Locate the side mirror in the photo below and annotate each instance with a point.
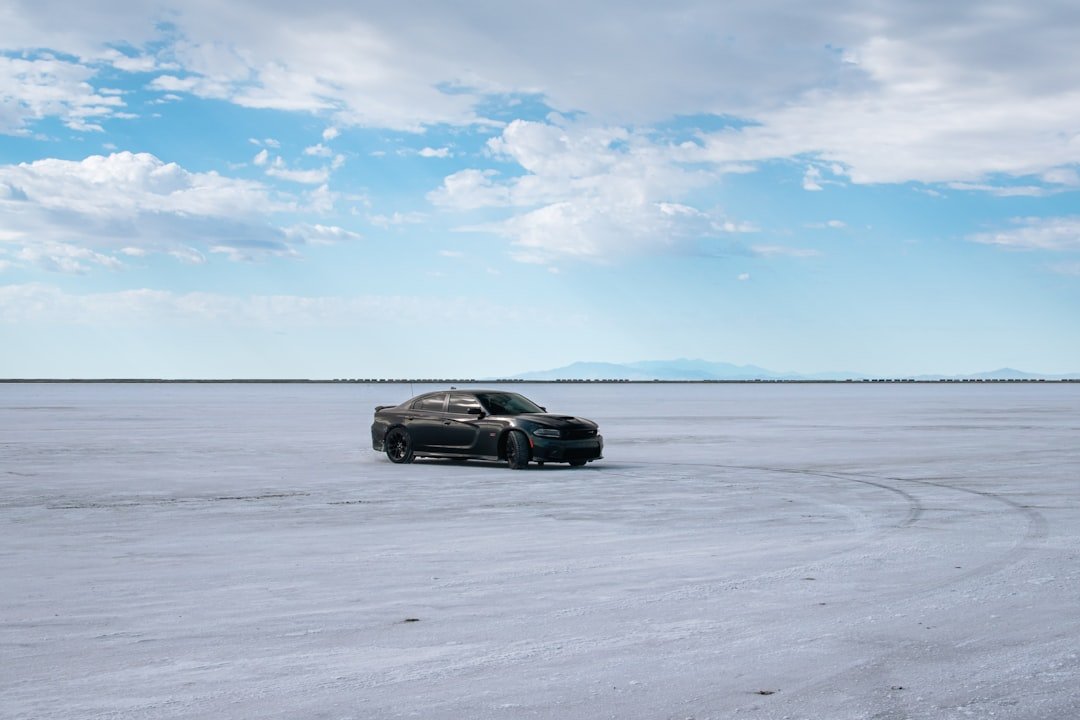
(475, 411)
(542, 408)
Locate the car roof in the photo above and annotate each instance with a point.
(473, 391)
(468, 391)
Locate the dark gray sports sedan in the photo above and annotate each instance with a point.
(483, 425)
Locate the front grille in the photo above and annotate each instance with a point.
(579, 433)
(581, 453)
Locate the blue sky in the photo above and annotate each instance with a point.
(342, 189)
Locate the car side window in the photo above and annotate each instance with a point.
(431, 403)
(460, 403)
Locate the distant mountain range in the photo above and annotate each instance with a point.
(683, 369)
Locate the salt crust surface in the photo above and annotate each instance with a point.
(758, 551)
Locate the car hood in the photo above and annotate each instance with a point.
(554, 420)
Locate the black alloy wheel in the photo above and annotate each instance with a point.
(399, 446)
(517, 450)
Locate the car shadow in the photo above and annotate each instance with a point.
(501, 465)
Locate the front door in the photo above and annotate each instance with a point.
(465, 432)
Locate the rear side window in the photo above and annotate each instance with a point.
(431, 403)
(461, 402)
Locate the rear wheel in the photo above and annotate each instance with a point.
(517, 450)
(399, 445)
(577, 463)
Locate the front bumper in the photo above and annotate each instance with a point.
(556, 450)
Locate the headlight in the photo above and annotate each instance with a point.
(547, 432)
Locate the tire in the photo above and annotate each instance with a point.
(577, 463)
(517, 450)
(399, 446)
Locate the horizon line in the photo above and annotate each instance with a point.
(556, 381)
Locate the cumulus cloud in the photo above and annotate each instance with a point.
(71, 215)
(586, 192)
(428, 152)
(1036, 233)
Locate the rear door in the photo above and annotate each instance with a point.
(424, 421)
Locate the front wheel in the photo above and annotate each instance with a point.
(577, 463)
(399, 446)
(517, 450)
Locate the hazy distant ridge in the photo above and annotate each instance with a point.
(684, 369)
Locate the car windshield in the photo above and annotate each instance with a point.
(508, 403)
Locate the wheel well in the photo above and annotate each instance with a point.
(506, 436)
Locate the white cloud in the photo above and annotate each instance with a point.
(783, 251)
(587, 192)
(923, 111)
(190, 256)
(743, 277)
(1062, 176)
(812, 179)
(1004, 190)
(330, 133)
(928, 92)
(196, 85)
(396, 219)
(261, 157)
(318, 150)
(321, 234)
(443, 152)
(471, 189)
(129, 63)
(1036, 233)
(32, 89)
(279, 170)
(64, 257)
(71, 215)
